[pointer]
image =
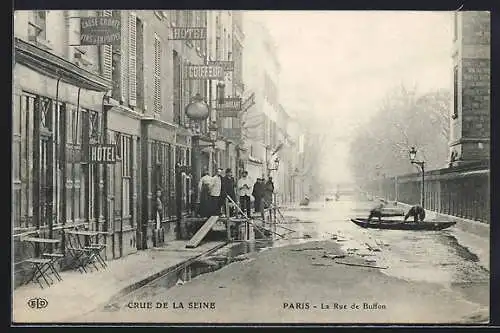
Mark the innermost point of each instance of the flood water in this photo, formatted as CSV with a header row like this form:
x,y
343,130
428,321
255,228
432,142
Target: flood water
x,y
429,256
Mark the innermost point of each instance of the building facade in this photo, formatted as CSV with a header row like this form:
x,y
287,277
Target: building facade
x,y
261,75
132,94
58,111
470,120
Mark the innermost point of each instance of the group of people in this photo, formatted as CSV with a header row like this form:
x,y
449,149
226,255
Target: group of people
x,y
213,191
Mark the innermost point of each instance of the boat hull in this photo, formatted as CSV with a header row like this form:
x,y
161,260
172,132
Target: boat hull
x,y
400,225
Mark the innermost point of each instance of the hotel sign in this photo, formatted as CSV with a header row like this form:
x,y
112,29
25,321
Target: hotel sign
x,y
205,72
100,30
228,66
188,34
230,108
102,154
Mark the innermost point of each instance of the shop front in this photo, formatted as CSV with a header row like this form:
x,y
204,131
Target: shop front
x,y
57,114
123,187
158,190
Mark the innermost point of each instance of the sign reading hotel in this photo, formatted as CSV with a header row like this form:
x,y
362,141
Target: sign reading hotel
x,y
205,72
230,108
102,154
228,66
188,34
100,30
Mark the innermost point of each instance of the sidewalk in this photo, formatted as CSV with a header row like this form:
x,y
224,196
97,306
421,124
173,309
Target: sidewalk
x,y
474,227
80,293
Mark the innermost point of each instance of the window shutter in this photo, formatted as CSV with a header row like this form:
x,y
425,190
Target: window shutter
x,y
157,75
123,56
107,68
132,60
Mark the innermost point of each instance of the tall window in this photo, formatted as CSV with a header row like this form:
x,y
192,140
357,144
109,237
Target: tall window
x,y
157,75
132,59
23,172
75,178
107,50
455,93
38,25
140,63
177,88
218,46
126,155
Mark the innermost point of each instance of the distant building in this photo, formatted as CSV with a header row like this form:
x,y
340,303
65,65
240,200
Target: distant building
x,y
261,72
470,119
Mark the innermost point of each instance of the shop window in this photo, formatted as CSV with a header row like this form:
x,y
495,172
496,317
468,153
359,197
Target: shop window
x,y
75,180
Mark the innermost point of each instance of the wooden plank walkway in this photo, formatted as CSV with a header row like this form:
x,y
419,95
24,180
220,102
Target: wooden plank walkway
x,y
202,232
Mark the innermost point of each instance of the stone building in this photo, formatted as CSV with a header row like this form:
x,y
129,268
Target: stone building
x,y
261,74
470,120
58,101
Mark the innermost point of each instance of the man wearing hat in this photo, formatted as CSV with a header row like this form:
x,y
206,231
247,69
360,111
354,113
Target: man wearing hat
x,y
228,186
258,194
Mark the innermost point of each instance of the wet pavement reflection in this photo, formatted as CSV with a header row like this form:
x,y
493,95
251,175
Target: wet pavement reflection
x,y
429,256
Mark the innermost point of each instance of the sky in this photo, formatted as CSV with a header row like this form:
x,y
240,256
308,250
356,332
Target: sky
x,y
338,66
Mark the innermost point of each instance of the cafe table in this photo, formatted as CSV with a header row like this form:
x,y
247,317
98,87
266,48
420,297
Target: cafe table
x,y
41,266
88,251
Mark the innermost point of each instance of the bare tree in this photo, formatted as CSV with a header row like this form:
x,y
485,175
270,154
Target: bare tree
x,y
404,119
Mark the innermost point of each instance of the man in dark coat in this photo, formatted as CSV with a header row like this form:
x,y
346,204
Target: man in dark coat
x,y
268,192
228,188
418,213
258,194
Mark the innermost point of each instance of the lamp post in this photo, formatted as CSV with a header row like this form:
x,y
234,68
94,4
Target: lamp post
x,y
421,164
379,180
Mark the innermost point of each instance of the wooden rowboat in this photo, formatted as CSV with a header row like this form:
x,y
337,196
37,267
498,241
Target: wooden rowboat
x,y
401,225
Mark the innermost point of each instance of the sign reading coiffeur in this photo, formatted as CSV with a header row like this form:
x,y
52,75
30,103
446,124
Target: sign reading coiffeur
x,y
205,72
102,154
101,30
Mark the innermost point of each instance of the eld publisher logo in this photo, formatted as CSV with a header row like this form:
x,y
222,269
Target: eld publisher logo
x,y
38,303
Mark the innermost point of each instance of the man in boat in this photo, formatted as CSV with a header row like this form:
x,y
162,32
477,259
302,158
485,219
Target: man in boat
x,y
418,213
377,211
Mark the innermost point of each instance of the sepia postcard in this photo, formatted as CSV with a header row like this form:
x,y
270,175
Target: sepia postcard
x,y
250,167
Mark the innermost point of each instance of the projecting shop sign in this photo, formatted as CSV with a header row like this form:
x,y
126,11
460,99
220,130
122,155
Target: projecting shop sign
x,y
188,34
228,66
205,72
230,108
102,154
100,30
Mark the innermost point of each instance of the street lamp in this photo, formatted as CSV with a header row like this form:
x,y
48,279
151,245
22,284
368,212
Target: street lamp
x,y
421,164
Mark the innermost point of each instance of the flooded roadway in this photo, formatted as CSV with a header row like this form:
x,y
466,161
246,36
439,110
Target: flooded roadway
x,y
434,257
